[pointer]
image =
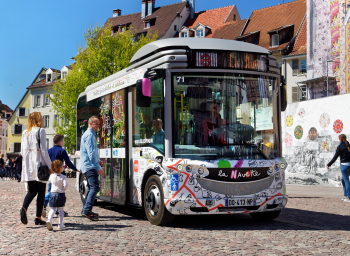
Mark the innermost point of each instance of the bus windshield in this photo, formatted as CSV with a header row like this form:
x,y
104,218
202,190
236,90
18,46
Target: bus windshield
x,y
224,116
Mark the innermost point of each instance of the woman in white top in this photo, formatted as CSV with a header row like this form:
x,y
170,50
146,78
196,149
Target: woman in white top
x,y
32,158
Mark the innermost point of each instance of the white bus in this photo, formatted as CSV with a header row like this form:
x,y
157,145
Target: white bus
x,y
192,126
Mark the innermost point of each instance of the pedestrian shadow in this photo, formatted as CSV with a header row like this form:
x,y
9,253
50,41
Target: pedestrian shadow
x,y
93,226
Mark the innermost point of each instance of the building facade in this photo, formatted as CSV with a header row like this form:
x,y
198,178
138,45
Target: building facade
x,y
5,113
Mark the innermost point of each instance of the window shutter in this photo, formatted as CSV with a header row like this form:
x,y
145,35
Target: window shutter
x,y
24,127
43,100
295,67
12,147
17,111
295,94
27,112
13,129
33,105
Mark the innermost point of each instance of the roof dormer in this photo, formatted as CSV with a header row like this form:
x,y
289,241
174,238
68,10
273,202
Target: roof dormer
x,y
186,32
64,72
52,75
201,30
281,35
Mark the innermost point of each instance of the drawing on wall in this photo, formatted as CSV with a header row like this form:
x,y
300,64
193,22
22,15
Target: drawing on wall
x,y
298,132
289,121
307,156
301,113
338,126
313,133
288,140
325,120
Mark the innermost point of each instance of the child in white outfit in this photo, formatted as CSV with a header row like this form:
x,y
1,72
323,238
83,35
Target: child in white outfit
x,y
58,196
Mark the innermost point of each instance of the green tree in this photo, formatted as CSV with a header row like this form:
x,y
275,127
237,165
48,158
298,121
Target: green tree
x,y
102,56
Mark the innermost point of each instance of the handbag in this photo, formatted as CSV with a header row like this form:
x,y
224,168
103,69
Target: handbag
x,y
43,170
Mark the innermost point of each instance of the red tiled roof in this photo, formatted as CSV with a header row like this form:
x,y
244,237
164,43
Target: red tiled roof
x,y
41,83
164,17
274,17
230,30
300,41
213,18
4,107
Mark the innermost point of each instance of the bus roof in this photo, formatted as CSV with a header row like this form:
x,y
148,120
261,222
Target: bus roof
x,y
198,44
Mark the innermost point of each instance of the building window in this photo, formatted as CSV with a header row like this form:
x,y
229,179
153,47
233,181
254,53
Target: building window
x,y
147,24
17,147
295,94
46,121
175,27
37,100
121,29
295,67
274,40
64,75
47,99
184,34
200,33
22,111
303,67
18,129
234,16
56,120
48,78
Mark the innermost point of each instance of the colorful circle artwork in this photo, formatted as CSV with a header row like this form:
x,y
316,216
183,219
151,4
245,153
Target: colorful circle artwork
x,y
312,134
288,140
289,120
298,132
324,120
301,113
338,126
325,146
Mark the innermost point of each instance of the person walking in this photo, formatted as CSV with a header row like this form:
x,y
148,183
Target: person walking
x,y
2,166
13,171
18,167
33,157
89,159
58,196
343,151
8,168
57,152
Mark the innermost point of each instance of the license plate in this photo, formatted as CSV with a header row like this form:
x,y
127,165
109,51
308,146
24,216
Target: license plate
x,y
235,202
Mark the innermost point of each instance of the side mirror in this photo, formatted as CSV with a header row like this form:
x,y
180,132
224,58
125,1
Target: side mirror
x,y
143,92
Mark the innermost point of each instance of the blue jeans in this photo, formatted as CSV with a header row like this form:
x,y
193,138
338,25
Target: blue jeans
x,y
345,171
93,187
48,194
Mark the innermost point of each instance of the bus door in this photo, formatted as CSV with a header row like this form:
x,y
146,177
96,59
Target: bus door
x,y
119,146
104,135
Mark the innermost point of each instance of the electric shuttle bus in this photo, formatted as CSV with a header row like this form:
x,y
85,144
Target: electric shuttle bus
x,y
192,126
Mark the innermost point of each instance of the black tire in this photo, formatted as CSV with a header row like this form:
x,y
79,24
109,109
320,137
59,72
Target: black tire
x,y
265,216
163,216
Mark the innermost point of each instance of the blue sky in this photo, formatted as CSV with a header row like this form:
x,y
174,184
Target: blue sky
x,y
41,33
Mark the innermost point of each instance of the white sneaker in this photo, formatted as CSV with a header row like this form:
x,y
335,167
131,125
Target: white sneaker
x,y
347,200
62,226
344,197
49,225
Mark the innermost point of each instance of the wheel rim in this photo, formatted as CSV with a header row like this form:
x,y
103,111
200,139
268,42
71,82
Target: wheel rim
x,y
153,200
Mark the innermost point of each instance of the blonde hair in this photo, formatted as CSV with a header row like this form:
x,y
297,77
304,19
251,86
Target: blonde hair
x,y
342,138
93,119
34,120
56,166
2,155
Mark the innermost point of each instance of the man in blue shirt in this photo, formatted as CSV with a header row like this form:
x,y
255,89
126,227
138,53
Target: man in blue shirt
x,y
158,135
58,153
90,166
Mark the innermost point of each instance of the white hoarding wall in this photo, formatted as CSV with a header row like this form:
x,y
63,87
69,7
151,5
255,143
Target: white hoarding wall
x,y
310,131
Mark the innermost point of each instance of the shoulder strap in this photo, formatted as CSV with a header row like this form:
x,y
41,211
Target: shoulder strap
x,y
38,138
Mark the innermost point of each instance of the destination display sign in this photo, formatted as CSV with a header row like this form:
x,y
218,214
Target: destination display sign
x,y
238,174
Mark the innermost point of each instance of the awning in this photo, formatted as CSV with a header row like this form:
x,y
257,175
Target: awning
x,y
317,79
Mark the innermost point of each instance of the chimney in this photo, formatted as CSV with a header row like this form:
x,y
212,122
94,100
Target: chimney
x,y
144,9
150,6
117,13
191,3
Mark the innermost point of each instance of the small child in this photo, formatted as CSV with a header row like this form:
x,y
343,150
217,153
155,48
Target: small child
x,y
58,196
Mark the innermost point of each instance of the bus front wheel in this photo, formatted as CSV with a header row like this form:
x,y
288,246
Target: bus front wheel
x,y
265,216
153,203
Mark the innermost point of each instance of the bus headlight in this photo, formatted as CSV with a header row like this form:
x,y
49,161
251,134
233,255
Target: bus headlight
x,y
179,167
188,168
282,166
200,170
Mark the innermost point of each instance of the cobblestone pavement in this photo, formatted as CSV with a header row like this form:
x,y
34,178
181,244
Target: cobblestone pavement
x,y
308,226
